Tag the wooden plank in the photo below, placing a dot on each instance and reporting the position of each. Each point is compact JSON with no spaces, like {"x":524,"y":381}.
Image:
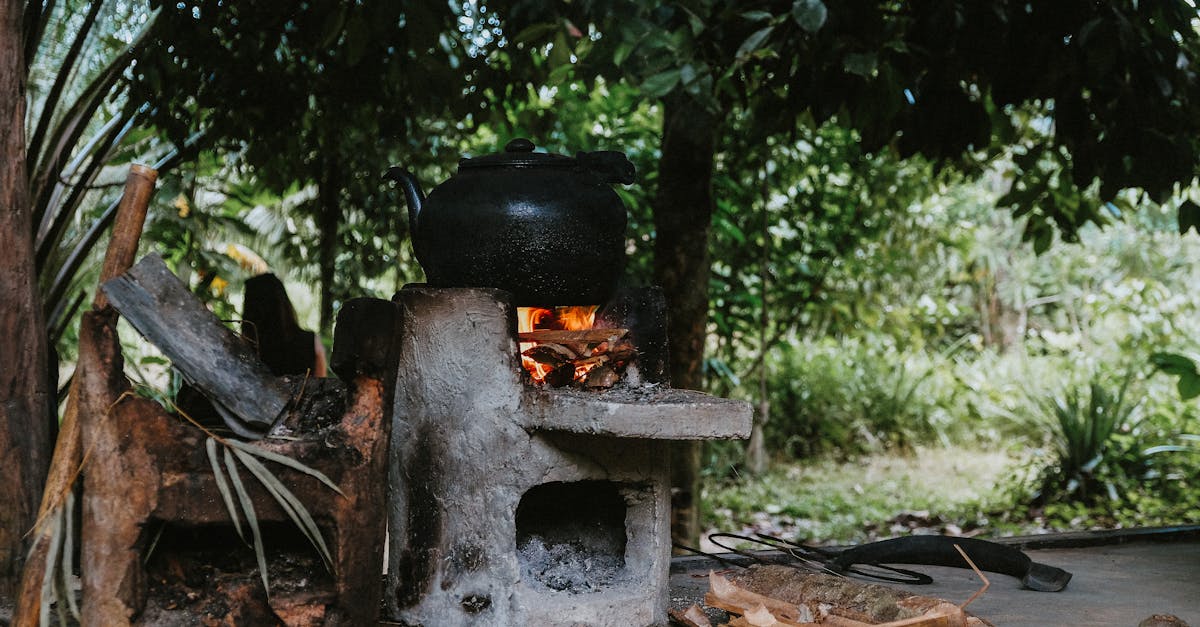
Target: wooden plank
{"x":206,"y":352}
{"x":586,"y":336}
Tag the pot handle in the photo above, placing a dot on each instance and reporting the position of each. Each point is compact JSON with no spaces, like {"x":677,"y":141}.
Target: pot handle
{"x":611,"y":166}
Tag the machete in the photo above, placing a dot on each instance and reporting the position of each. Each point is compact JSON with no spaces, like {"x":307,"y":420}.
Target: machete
{"x":939,"y":551}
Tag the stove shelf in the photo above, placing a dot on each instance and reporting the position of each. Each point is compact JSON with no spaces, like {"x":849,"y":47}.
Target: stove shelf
{"x":651,"y":412}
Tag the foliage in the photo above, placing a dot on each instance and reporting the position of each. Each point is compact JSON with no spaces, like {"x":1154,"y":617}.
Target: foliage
{"x":850,"y":397}
{"x":1181,"y":366}
{"x":1086,"y":422}
{"x":940,"y":79}
{"x":865,"y":498}
{"x":323,"y":94}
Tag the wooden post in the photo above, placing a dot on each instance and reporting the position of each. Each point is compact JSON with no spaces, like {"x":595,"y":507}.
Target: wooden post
{"x":68,"y":450}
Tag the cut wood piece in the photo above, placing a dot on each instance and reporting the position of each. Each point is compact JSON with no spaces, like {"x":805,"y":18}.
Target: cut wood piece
{"x":545,"y":355}
{"x":731,"y":598}
{"x":844,"y":602}
{"x":691,"y":617}
{"x":586,"y":336}
{"x":206,"y":352}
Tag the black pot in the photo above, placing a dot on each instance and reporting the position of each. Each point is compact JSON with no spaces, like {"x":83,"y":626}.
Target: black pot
{"x":547,"y":228}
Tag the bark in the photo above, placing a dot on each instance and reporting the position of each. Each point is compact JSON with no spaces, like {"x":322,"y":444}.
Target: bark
{"x":682,"y":218}
{"x":26,"y":392}
{"x":328,"y":220}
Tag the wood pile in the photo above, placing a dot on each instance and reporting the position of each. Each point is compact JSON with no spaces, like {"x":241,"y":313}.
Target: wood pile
{"x":592,"y":359}
{"x":782,"y":596}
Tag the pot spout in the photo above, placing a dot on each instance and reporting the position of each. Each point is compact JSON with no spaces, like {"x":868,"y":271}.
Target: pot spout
{"x":412,"y":194}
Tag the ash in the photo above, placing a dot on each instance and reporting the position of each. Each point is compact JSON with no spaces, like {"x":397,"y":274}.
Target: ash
{"x":568,"y":567}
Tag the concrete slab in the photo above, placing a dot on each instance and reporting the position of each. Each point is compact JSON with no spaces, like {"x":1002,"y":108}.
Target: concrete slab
{"x":653,"y":412}
{"x":1112,"y":585}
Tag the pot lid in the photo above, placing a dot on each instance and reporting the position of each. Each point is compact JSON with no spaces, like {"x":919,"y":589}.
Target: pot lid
{"x":519,"y":153}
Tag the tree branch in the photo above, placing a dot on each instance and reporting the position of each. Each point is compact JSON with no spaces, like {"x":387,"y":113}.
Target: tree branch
{"x":34,"y":147}
{"x":37,"y":17}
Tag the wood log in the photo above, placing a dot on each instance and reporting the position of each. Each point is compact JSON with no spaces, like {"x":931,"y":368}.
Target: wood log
{"x":586,"y":336}
{"x":829,"y":600}
{"x":67,"y":459}
{"x":205,"y":352}
{"x":363,"y":338}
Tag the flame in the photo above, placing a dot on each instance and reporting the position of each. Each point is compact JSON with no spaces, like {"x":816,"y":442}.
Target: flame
{"x":571,"y":318}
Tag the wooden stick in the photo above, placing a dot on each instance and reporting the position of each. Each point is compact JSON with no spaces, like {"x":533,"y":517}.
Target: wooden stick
{"x":586,"y":336}
{"x":127,"y":226}
{"x":986,"y":584}
{"x":68,"y":449}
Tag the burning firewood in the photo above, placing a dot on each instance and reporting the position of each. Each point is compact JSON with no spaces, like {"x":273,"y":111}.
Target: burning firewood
{"x":561,"y":376}
{"x":552,"y":355}
{"x":586,"y":336}
{"x":600,"y":378}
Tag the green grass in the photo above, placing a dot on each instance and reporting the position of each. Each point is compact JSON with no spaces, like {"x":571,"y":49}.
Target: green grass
{"x":838,"y":502}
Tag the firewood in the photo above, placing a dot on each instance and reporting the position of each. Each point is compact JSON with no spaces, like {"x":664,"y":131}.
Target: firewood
{"x":205,"y":351}
{"x":561,"y":376}
{"x":600,"y":378}
{"x":691,"y":617}
{"x":837,"y":601}
{"x":594,"y":360}
{"x":552,"y":355}
{"x":589,"y":336}
{"x":725,"y":595}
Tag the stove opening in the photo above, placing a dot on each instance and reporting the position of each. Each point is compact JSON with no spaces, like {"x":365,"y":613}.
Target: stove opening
{"x":571,"y":536}
{"x":564,"y":346}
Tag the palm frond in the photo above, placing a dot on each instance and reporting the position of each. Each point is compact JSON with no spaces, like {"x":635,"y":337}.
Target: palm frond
{"x":251,"y":517}
{"x":223,"y":486}
{"x":239,"y":498}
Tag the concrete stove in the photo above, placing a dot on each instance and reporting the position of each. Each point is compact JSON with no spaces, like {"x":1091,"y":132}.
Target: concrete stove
{"x":513,"y":504}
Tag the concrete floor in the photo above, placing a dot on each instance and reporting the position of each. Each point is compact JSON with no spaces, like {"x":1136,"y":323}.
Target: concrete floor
{"x":1113,"y":584}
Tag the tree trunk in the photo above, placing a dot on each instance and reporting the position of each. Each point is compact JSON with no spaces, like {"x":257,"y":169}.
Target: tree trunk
{"x":329,"y":217}
{"x":26,"y":392}
{"x":682,"y":216}
{"x":756,"y":450}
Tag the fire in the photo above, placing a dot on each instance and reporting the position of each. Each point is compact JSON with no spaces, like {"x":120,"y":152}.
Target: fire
{"x":572,"y":318}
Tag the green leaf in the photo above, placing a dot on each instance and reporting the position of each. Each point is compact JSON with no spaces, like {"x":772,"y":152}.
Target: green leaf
{"x":1042,"y":239}
{"x":1188,"y":386}
{"x":753,"y":42}
{"x":695,"y":21}
{"x":535,"y":32}
{"x":1173,"y":363}
{"x":622,"y":52}
{"x":861,"y":63}
{"x":757,"y":16}
{"x":661,"y":84}
{"x":809,"y":14}
{"x":1189,"y":217}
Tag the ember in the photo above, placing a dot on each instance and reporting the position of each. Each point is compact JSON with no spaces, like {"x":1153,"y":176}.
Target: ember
{"x":561,"y":347}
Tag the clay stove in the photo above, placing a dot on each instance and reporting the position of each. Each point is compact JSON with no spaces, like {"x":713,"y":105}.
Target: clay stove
{"x":514,"y":504}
